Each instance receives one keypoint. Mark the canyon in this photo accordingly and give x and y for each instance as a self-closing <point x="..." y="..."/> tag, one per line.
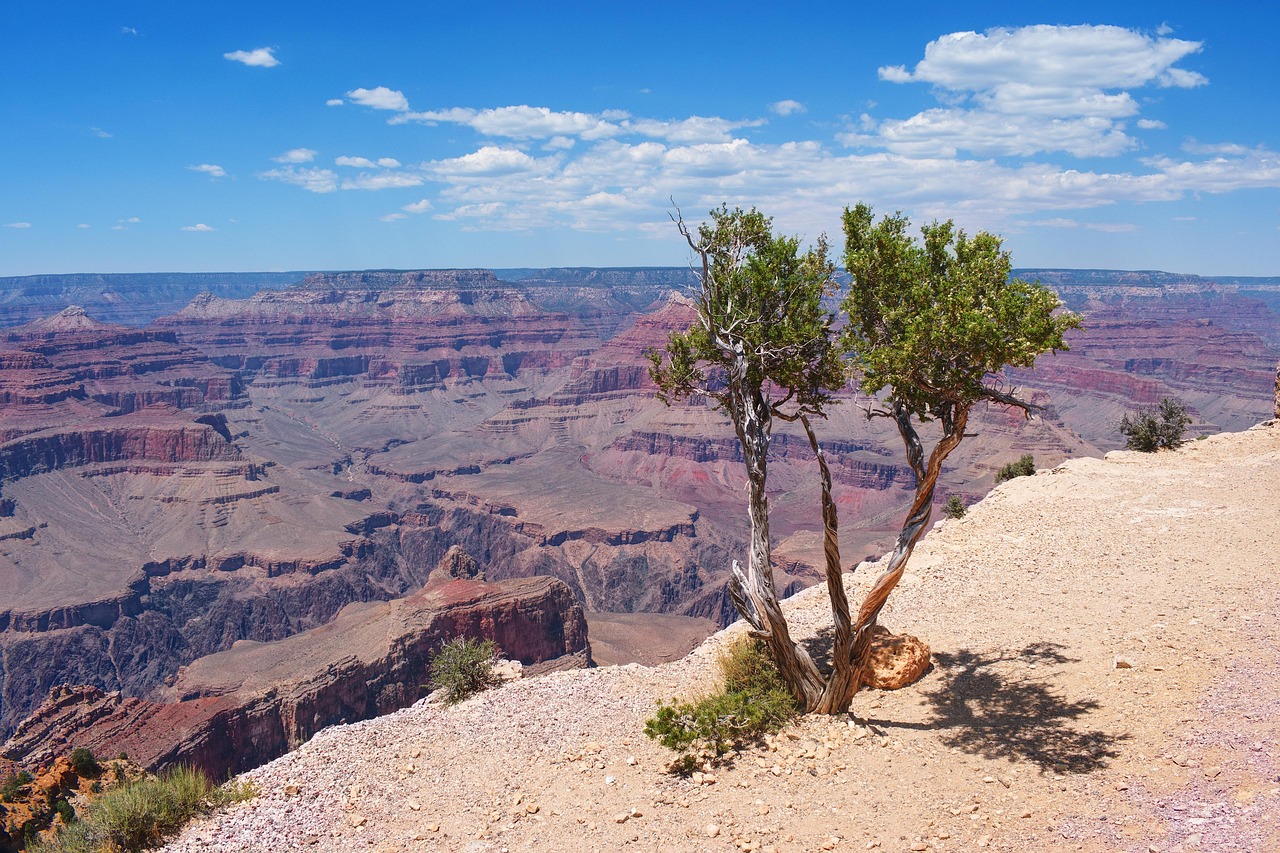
<point x="193" y="484"/>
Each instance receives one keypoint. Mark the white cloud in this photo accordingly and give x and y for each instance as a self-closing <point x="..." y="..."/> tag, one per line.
<point x="356" y="162"/>
<point x="1151" y="124"/>
<point x="100" y="133"/>
<point x="520" y="122"/>
<point x="380" y="98"/>
<point x="1100" y="57"/>
<point x="128" y="31"/>
<point x="18" y="225"/>
<point x="391" y="217"/>
<point x="310" y="179"/>
<point x="84" y="225"/>
<point x="786" y="107"/>
<point x="262" y="57"/>
<point x="945" y="132"/>
<point x="382" y="181"/>
<point x="210" y="169"/>
<point x="421" y="206"/>
<point x="489" y="161"/>
<point x="198" y="227"/>
<point x="117" y="227"/>
<point x="559" y="143"/>
<point x="334" y="102"/>
<point x="1033" y="89"/>
<point x="132" y="220"/>
<point x="693" y="130"/>
<point x="296" y="155"/>
<point x="388" y="162"/>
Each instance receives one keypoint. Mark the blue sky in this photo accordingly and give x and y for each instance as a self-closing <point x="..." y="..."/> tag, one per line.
<point x="263" y="136"/>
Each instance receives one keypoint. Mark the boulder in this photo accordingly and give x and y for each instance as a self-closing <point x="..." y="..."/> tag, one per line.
<point x="896" y="659"/>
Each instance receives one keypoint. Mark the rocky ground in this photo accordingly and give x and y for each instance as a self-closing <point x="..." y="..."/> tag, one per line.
<point x="1107" y="678"/>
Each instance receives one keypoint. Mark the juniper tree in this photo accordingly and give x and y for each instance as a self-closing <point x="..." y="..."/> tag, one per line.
<point x="930" y="327"/>
<point x="762" y="348"/>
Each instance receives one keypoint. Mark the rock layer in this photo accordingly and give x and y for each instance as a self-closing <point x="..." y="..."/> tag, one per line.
<point x="234" y="710"/>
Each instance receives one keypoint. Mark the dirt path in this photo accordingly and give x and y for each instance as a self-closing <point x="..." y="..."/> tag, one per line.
<point x="1107" y="678"/>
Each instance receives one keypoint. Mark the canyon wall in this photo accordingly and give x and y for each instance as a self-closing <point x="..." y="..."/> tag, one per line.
<point x="245" y="468"/>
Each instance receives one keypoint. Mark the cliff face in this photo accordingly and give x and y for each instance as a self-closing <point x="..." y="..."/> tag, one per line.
<point x="232" y="711"/>
<point x="245" y="468"/>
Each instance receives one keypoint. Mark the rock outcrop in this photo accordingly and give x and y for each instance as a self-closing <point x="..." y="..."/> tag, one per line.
<point x="237" y="709"/>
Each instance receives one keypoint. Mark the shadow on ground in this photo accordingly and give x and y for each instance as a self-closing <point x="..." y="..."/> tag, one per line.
<point x="993" y="704"/>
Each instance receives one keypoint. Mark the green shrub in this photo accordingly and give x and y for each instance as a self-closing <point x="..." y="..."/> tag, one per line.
<point x="140" y="815"/>
<point x="1024" y="467"/>
<point x="1151" y="429"/>
<point x="13" y="785"/>
<point x="753" y="702"/>
<point x="64" y="810"/>
<point x="85" y="764"/>
<point x="954" y="507"/>
<point x="463" y="667"/>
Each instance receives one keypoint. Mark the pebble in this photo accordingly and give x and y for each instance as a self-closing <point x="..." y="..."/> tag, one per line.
<point x="711" y="830"/>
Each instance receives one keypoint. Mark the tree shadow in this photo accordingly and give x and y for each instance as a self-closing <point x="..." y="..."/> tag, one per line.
<point x="992" y="704"/>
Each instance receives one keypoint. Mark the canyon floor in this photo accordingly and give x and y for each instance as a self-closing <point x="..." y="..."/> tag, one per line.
<point x="1106" y="678"/>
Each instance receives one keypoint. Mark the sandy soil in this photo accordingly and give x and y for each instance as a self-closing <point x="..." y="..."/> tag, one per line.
<point x="1107" y="678"/>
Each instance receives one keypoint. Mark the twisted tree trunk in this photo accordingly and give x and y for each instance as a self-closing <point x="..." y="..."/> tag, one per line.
<point x="953" y="424"/>
<point x="752" y="591"/>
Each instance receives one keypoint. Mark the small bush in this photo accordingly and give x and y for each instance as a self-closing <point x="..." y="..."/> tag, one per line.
<point x="1024" y="467"/>
<point x="65" y="811"/>
<point x="954" y="507"/>
<point x="140" y="815"/>
<point x="463" y="667"/>
<point x="85" y="764"/>
<point x="13" y="786"/>
<point x="1151" y="429"/>
<point x="753" y="702"/>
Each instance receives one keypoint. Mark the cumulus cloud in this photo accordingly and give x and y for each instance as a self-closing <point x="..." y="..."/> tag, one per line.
<point x="200" y="226"/>
<point x="210" y="169"/>
<point x="262" y="57"/>
<point x="421" y="206"/>
<point x="786" y="107"/>
<point x="380" y="98"/>
<point x="296" y="155"/>
<point x="334" y="102"/>
<point x="1151" y="124"/>
<point x="1033" y="89"/>
<point x="356" y="162"/>
<point x="1047" y="56"/>
<point x="18" y="225"/>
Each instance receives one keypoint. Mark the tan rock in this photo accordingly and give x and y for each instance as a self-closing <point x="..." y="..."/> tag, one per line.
<point x="896" y="659"/>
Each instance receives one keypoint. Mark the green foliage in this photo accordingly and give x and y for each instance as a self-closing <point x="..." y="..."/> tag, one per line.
<point x="761" y="318"/>
<point x="1024" y="467"/>
<point x="64" y="810"/>
<point x="753" y="702"/>
<point x="13" y="786"/>
<point x="463" y="667"/>
<point x="955" y="507"/>
<point x="1151" y="429"/>
<point x="141" y="814"/>
<point x="933" y="321"/>
<point x="85" y="764"/>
